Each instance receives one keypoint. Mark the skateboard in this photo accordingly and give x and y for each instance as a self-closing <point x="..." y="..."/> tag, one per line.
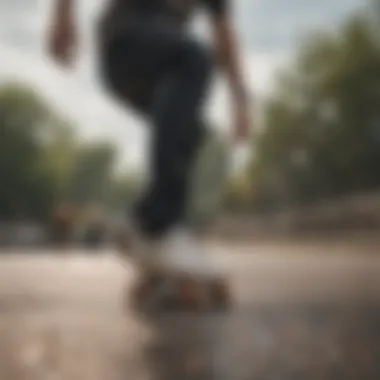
<point x="157" y="291"/>
<point x="180" y="292"/>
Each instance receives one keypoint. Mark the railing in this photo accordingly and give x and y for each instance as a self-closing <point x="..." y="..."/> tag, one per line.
<point x="353" y="213"/>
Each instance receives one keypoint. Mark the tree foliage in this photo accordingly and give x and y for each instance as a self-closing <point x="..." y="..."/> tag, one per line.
<point x="42" y="162"/>
<point x="26" y="188"/>
<point x="322" y="126"/>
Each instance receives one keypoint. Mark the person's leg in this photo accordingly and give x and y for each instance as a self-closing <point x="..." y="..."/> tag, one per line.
<point x="177" y="109"/>
<point x="178" y="134"/>
<point x="179" y="71"/>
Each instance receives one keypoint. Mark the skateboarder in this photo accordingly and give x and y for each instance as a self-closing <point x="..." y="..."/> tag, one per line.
<point x="150" y="62"/>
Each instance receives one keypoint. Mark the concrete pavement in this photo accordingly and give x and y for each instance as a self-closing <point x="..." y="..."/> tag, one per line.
<point x="302" y="312"/>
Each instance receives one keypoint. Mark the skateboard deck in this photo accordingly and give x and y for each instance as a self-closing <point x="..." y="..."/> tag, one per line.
<point x="180" y="292"/>
<point x="175" y="291"/>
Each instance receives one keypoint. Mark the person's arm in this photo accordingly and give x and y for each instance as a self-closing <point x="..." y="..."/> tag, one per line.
<point x="228" y="55"/>
<point x="63" y="10"/>
<point x="62" y="39"/>
<point x="229" y="58"/>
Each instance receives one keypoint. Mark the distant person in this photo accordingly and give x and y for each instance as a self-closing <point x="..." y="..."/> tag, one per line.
<point x="152" y="64"/>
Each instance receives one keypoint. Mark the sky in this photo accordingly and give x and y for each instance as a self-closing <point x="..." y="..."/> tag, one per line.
<point x="269" y="31"/>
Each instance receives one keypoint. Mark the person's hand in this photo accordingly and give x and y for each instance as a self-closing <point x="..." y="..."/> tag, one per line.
<point x="62" y="42"/>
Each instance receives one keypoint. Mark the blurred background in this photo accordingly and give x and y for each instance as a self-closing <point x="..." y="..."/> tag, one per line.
<point x="313" y="69"/>
<point x="295" y="215"/>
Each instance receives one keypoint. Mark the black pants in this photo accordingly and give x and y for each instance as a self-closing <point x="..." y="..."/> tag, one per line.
<point x="164" y="74"/>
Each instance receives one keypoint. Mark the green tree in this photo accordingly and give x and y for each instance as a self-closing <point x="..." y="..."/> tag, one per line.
<point x="92" y="173"/>
<point x="322" y="127"/>
<point x="27" y="188"/>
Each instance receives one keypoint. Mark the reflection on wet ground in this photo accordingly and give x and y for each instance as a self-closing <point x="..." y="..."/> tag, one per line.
<point x="62" y="318"/>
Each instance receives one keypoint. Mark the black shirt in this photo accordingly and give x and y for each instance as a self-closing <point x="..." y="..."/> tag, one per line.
<point x="176" y="11"/>
<point x="171" y="7"/>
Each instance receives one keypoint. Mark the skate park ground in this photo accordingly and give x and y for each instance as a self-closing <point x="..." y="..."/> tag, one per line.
<point x="305" y="309"/>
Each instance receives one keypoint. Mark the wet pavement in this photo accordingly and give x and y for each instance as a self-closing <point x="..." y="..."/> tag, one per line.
<point x="309" y="311"/>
